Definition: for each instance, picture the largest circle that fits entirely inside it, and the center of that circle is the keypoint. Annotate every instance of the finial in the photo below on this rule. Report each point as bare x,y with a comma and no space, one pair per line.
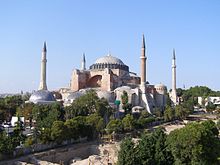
143,41
45,47
174,54
84,58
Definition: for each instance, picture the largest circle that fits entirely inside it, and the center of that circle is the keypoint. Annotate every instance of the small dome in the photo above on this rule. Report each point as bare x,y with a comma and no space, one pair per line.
160,86
73,96
42,96
109,60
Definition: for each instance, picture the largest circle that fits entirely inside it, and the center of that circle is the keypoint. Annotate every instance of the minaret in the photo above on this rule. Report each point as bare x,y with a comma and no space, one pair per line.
83,65
143,63
173,94
43,84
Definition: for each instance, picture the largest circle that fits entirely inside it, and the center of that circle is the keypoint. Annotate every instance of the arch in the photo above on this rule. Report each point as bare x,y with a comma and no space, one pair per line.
95,81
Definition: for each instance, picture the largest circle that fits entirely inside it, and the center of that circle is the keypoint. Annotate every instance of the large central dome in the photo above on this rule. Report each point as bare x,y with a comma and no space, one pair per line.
109,60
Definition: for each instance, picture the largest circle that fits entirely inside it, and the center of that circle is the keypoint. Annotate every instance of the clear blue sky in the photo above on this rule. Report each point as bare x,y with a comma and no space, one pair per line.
97,27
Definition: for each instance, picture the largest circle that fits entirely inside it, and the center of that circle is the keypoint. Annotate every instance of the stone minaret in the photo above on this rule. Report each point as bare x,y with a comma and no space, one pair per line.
143,63
43,84
83,64
173,94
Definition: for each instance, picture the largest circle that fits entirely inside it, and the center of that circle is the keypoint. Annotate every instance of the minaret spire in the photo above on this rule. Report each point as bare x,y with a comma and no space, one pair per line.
83,65
45,47
143,62
173,94
174,54
143,41
43,84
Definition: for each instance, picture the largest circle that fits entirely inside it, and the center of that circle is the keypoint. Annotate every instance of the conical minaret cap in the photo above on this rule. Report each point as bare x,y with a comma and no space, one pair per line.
174,54
84,58
143,41
45,47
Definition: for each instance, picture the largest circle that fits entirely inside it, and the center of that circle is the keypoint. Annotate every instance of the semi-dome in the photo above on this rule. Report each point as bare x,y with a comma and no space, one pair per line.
42,96
109,96
109,60
73,96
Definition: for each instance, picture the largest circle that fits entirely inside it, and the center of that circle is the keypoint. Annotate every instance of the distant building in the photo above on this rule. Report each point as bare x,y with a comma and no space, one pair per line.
205,101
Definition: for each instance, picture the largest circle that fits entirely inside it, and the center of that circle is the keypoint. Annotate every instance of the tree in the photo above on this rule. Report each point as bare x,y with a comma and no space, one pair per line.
6,145
45,115
158,112
195,144
152,149
210,107
26,112
78,127
168,114
162,155
88,104
128,122
114,126
145,150
126,155
58,131
125,105
181,112
96,122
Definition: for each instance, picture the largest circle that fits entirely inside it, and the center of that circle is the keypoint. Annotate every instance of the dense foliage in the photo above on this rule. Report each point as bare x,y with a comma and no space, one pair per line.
89,116
197,143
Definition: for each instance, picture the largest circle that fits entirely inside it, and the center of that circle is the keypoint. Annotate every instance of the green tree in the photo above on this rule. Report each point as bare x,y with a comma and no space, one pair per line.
181,112
169,114
58,131
163,155
26,112
210,107
126,155
88,104
72,129
128,122
6,145
78,127
125,105
96,122
145,150
45,115
195,144
114,126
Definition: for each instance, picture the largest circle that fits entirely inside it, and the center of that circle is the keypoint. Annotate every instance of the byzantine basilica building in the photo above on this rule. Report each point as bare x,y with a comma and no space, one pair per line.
109,76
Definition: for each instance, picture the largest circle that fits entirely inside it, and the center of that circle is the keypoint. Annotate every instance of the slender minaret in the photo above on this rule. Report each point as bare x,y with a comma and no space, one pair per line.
43,84
173,94
143,63
83,64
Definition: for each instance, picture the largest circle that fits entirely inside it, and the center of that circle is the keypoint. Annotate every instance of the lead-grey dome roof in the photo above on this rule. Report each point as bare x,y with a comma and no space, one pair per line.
109,96
109,60
42,96
73,96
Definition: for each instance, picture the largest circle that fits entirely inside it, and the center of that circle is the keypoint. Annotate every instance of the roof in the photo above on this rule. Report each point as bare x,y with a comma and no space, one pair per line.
109,60
42,96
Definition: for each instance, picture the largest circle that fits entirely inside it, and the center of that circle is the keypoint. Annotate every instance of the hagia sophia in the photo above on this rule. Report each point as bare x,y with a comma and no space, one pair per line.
110,77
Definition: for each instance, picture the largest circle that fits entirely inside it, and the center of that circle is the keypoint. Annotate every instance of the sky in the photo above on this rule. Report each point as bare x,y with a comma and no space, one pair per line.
97,27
